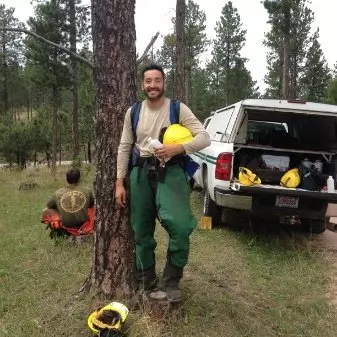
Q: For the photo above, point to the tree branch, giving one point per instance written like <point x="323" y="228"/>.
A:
<point x="69" y="52"/>
<point x="66" y="50"/>
<point x="141" y="59"/>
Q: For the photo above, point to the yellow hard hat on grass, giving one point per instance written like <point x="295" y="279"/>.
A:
<point x="109" y="317"/>
<point x="177" y="134"/>
<point x="291" y="178"/>
<point x="247" y="177"/>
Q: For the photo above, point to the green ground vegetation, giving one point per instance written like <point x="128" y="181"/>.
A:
<point x="236" y="284"/>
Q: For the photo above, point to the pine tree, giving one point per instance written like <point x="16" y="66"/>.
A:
<point x="114" y="45"/>
<point x="180" y="50"/>
<point x="86" y="104"/>
<point x="76" y="26"/>
<point x="195" y="45"/>
<point x="331" y="95"/>
<point x="317" y="76"/>
<point x="166" y="57"/>
<point x="49" y="63"/>
<point x="287" y="42"/>
<point x="10" y="57"/>
<point x="227" y="67"/>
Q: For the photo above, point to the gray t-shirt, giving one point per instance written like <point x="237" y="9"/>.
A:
<point x="72" y="203"/>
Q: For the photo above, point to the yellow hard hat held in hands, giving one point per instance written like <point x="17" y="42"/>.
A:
<point x="247" y="177"/>
<point x="177" y="134"/>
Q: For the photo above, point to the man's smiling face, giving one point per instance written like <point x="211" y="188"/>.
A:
<point x="153" y="85"/>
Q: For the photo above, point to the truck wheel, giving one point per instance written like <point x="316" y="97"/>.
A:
<point x="210" y="208"/>
<point x="313" y="226"/>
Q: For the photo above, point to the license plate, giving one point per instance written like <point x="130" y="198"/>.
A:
<point x="287" y="202"/>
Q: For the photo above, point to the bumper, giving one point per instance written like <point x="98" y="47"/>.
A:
<point x="231" y="200"/>
<point x="260" y="200"/>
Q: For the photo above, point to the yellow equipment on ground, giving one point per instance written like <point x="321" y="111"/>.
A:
<point x="291" y="178"/>
<point x="109" y="317"/>
<point x="247" y="177"/>
<point x="177" y="134"/>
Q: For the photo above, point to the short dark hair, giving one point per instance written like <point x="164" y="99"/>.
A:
<point x="73" y="176"/>
<point x="153" y="66"/>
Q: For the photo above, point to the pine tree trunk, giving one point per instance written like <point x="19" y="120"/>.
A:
<point x="285" y="79"/>
<point x="89" y="152"/>
<point x="5" y="79"/>
<point x="180" y="51"/>
<point x="75" y="132"/>
<point x="286" y="50"/>
<point x="54" y="132"/>
<point x="189" y="82"/>
<point x="293" y="89"/>
<point x="115" y="81"/>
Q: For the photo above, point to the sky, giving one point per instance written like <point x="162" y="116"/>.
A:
<point x="155" y="15"/>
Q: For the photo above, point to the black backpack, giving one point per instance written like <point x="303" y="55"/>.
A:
<point x="311" y="178"/>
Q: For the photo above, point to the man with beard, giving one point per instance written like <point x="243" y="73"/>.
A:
<point x="150" y="197"/>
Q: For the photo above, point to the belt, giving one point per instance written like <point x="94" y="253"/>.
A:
<point x="147" y="161"/>
<point x="154" y="162"/>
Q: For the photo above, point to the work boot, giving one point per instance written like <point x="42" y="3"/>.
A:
<point x="169" y="287"/>
<point x="146" y="279"/>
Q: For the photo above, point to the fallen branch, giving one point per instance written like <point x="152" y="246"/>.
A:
<point x="141" y="59"/>
<point x="69" y="52"/>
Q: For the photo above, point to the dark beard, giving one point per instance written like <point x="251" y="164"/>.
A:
<point x="154" y="99"/>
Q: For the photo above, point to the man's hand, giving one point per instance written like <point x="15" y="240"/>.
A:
<point x="169" y="151"/>
<point x="120" y="194"/>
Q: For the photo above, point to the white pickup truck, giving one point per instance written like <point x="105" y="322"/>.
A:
<point x="268" y="137"/>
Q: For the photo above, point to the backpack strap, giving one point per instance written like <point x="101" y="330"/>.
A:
<point x="135" y="111"/>
<point x="174" y="111"/>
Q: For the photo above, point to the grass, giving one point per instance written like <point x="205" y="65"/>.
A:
<point x="236" y="283"/>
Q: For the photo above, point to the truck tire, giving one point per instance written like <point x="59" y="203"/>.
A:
<point x="314" y="226"/>
<point x="210" y="208"/>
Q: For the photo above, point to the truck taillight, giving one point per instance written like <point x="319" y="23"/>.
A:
<point x="223" y="166"/>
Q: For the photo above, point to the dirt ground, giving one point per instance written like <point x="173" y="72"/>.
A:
<point x="327" y="243"/>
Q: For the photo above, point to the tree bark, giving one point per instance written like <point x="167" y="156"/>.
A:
<point x="115" y="82"/>
<point x="54" y="132"/>
<point x="286" y="50"/>
<point x="180" y="51"/>
<point x="188" y="81"/>
<point x="5" y="79"/>
<point x="89" y="152"/>
<point x="285" y="80"/>
<point x="75" y="132"/>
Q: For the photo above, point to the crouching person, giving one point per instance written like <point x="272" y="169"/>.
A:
<point x="71" y="209"/>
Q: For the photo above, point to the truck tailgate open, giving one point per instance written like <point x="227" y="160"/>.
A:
<point x="278" y="190"/>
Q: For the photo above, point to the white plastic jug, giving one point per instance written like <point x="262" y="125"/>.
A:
<point x="155" y="143"/>
<point x="331" y="185"/>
